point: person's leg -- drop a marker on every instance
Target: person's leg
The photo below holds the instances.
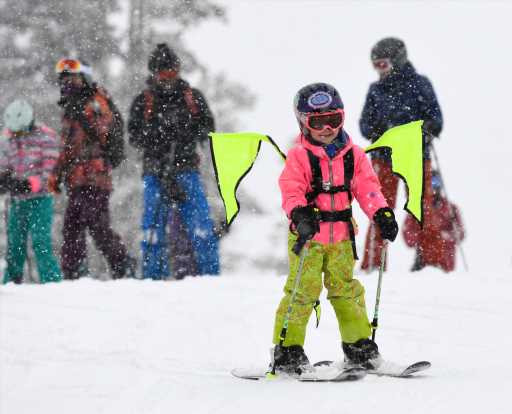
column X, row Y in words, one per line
column 389, row 188
column 41, row 217
column 345, row 293
column 288, row 354
column 106, row 240
column 195, row 214
column 180, row 247
column 308, row 292
column 74, row 247
column 155, row 251
column 17, row 232
column 430, row 233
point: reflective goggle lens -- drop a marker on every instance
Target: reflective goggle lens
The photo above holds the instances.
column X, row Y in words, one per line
column 321, row 121
column 382, row 65
column 68, row 65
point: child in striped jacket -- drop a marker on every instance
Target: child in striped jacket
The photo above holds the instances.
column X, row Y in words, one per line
column 28, row 154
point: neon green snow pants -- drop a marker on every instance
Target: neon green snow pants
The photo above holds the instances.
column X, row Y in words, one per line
column 336, row 262
column 33, row 216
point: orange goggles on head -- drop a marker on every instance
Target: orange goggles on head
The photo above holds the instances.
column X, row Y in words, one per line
column 72, row 66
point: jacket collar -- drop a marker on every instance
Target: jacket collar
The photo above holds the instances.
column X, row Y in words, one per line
column 319, row 150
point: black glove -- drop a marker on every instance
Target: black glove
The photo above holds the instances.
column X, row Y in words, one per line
column 306, row 222
column 385, row 220
column 429, row 130
column 20, row 187
column 14, row 185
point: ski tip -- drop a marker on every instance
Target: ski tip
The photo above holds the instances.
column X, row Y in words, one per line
column 421, row 365
column 323, row 363
column 415, row 368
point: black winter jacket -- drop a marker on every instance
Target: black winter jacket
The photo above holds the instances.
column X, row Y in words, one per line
column 167, row 126
column 399, row 98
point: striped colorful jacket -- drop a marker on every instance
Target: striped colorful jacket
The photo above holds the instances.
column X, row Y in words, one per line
column 32, row 154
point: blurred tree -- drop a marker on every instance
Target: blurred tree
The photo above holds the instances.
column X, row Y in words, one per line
column 35, row 34
column 115, row 37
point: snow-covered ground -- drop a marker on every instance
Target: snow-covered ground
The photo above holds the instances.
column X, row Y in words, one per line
column 164, row 347
column 161, row 347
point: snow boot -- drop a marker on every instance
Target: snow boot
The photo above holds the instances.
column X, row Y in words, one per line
column 364, row 352
column 127, row 269
column 418, row 264
column 290, row 360
column 18, row 279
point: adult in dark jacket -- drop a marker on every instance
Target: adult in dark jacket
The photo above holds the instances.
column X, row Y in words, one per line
column 401, row 95
column 85, row 166
column 167, row 121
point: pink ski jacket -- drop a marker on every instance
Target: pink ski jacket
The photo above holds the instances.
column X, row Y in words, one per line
column 296, row 178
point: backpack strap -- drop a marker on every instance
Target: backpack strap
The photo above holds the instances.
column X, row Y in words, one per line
column 188, row 96
column 319, row 186
column 191, row 102
column 149, row 104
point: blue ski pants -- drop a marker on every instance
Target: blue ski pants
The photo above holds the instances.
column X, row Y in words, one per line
column 194, row 214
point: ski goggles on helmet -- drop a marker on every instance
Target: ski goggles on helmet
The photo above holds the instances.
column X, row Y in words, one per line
column 72, row 66
column 321, row 120
column 383, row 65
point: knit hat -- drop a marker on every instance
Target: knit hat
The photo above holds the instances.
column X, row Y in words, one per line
column 163, row 58
column 392, row 48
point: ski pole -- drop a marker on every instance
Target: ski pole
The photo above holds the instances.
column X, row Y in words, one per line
column 452, row 213
column 286, row 320
column 379, row 284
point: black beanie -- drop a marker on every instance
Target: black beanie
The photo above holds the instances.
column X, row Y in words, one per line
column 391, row 48
column 163, row 58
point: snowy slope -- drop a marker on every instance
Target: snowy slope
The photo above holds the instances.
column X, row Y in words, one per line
column 156, row 347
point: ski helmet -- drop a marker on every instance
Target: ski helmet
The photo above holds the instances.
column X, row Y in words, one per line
column 315, row 98
column 163, row 58
column 19, row 116
column 391, row 48
column 75, row 66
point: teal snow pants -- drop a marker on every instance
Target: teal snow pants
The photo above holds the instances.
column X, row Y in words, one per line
column 32, row 217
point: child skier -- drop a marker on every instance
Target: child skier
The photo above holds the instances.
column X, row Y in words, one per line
column 323, row 172
column 29, row 153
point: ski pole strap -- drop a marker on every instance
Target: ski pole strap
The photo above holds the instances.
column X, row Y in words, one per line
column 318, row 312
column 374, row 329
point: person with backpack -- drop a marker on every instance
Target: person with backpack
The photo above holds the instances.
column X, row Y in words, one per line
column 168, row 120
column 323, row 173
column 28, row 153
column 448, row 231
column 92, row 145
column 401, row 95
